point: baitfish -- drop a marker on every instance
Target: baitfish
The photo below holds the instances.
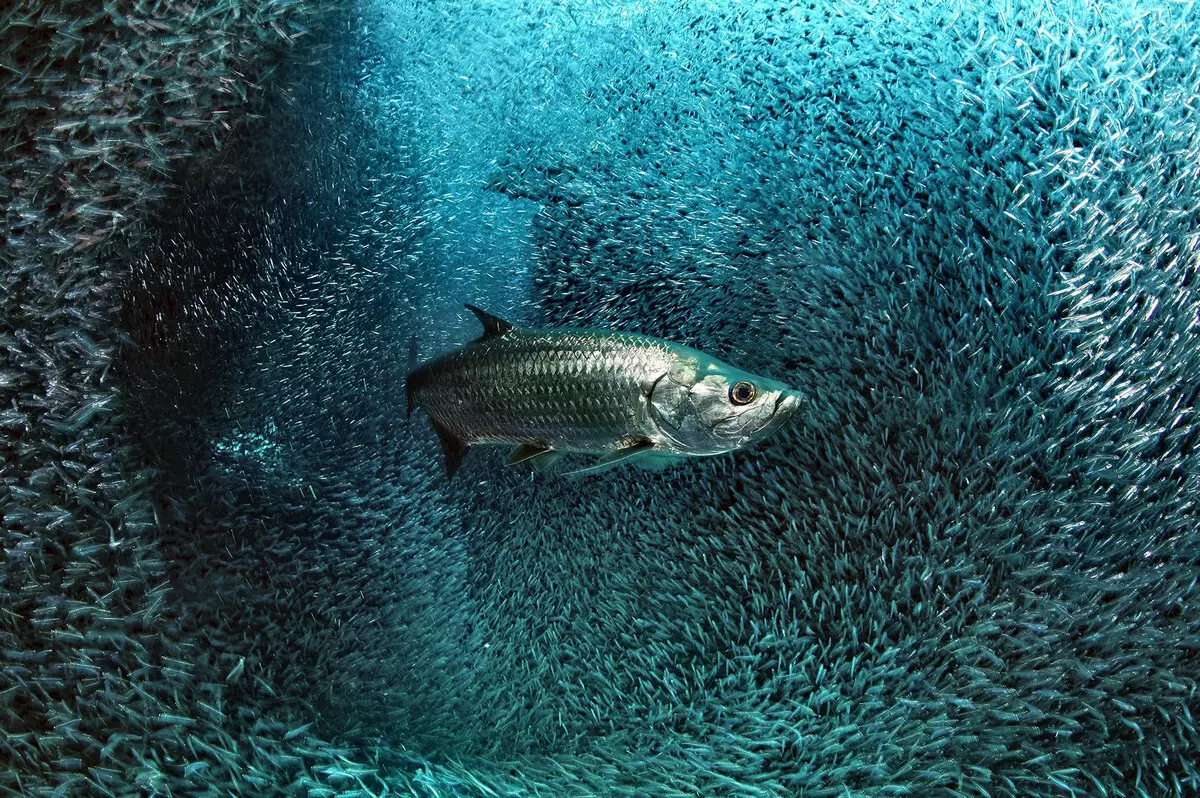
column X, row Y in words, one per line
column 625, row 397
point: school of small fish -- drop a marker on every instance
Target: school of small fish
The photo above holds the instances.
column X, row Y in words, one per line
column 934, row 534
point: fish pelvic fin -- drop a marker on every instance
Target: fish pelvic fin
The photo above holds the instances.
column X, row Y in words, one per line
column 527, row 451
column 453, row 447
column 492, row 325
column 626, row 454
column 546, row 459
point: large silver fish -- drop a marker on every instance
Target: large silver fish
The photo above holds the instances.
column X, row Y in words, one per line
column 628, row 398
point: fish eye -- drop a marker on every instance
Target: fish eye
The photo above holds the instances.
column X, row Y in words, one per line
column 742, row 393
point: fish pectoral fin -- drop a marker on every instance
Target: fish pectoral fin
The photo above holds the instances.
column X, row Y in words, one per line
column 626, row 454
column 527, row 451
column 660, row 462
column 492, row 325
column 453, row 447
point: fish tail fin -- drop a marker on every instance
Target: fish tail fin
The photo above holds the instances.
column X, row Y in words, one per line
column 412, row 366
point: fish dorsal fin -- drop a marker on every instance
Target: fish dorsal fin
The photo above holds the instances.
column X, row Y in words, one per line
column 627, row 454
column 454, row 447
column 492, row 325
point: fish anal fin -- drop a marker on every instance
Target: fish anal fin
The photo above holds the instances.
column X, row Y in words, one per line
column 453, row 447
column 492, row 325
column 626, row 454
column 527, row 451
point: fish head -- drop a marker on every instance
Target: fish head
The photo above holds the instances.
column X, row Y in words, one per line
column 702, row 406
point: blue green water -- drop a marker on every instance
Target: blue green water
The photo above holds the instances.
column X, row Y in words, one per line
column 970, row 236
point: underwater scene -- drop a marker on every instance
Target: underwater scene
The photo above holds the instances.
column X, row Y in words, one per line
column 497, row 398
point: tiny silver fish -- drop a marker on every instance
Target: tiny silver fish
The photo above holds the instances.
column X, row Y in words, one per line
column 625, row 397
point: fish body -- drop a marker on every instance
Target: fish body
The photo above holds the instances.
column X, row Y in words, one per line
column 622, row 396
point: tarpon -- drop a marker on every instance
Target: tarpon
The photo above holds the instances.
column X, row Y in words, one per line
column 625, row 397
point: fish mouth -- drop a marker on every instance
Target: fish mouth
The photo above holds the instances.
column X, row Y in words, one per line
column 785, row 405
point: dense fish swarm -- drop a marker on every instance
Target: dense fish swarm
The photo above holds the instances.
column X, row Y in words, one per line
column 968, row 568
column 103, row 691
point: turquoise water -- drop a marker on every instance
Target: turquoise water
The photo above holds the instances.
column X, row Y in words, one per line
column 969, row 235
